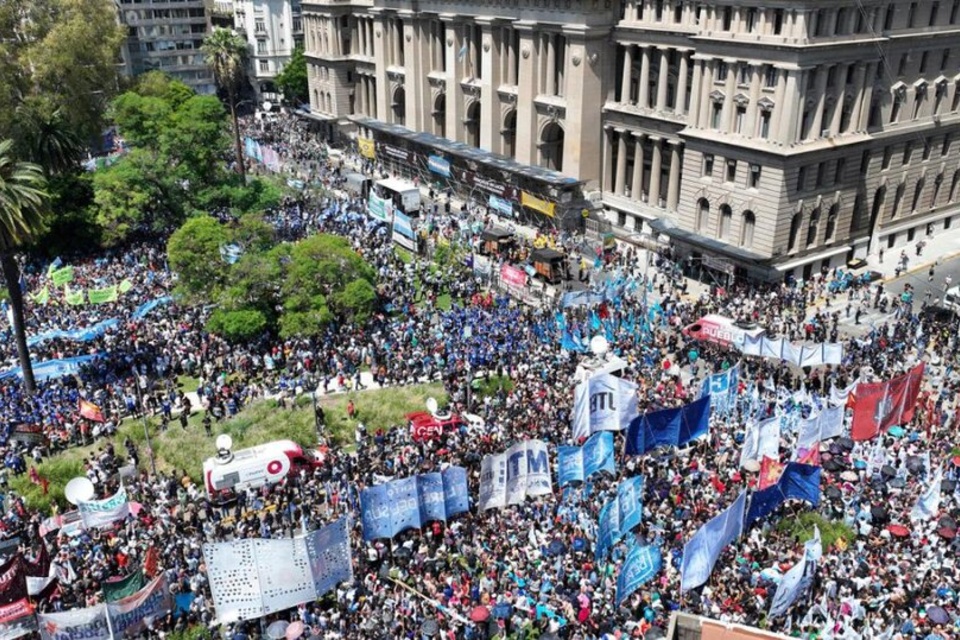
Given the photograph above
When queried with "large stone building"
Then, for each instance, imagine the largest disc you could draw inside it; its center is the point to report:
(274, 28)
(165, 35)
(770, 138)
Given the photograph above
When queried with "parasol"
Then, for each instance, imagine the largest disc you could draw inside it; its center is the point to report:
(429, 627)
(947, 533)
(294, 631)
(937, 615)
(277, 629)
(898, 530)
(479, 614)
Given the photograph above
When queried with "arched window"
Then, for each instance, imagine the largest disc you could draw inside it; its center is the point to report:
(703, 215)
(726, 222)
(551, 147)
(399, 106)
(440, 115)
(831, 223)
(510, 134)
(747, 226)
(813, 227)
(794, 232)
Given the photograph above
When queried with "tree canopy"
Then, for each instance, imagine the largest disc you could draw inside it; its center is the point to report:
(292, 289)
(292, 80)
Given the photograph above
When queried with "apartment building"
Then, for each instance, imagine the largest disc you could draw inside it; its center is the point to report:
(274, 28)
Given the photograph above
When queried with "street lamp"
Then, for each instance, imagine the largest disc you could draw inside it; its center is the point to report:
(143, 418)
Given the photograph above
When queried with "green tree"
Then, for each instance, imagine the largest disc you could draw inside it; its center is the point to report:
(44, 137)
(193, 252)
(356, 302)
(237, 325)
(65, 51)
(193, 141)
(132, 195)
(157, 84)
(292, 80)
(226, 52)
(22, 200)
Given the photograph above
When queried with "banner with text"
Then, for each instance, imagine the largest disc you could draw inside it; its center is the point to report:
(389, 508)
(603, 403)
(509, 477)
(103, 513)
(576, 464)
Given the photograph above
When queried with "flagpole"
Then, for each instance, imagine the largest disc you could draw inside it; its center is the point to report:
(143, 417)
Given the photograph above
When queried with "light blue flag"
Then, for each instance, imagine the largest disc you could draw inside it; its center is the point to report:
(722, 387)
(641, 565)
(798, 578)
(928, 506)
(704, 548)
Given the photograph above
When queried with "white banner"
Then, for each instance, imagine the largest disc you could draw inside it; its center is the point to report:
(102, 513)
(78, 624)
(252, 578)
(603, 403)
(761, 439)
(507, 478)
(823, 426)
(801, 355)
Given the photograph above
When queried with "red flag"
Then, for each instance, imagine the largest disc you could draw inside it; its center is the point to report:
(810, 456)
(150, 562)
(770, 471)
(91, 411)
(881, 405)
(38, 480)
(13, 580)
(39, 567)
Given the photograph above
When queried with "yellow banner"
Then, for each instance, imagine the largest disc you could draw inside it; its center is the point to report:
(535, 203)
(367, 149)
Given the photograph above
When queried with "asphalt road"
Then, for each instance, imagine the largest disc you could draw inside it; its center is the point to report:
(921, 284)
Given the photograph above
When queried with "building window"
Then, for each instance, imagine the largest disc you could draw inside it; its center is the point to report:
(716, 114)
(727, 18)
(831, 224)
(917, 192)
(708, 164)
(945, 60)
(261, 46)
(924, 59)
(740, 118)
(887, 157)
(770, 76)
(801, 178)
(934, 10)
(260, 26)
(777, 22)
(813, 227)
(954, 10)
(703, 215)
(754, 179)
(298, 24)
(945, 147)
(927, 149)
(888, 17)
(264, 66)
(907, 152)
(765, 124)
(722, 70)
(841, 23)
(726, 222)
(821, 170)
(751, 19)
(794, 232)
(937, 183)
(839, 170)
(731, 170)
(747, 226)
(898, 200)
(912, 15)
(864, 161)
(743, 74)
(953, 186)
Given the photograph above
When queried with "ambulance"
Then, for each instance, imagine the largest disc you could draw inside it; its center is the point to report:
(722, 330)
(231, 471)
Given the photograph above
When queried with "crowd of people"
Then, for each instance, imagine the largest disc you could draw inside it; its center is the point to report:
(532, 565)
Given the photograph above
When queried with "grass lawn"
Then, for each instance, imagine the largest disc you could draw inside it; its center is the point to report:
(186, 449)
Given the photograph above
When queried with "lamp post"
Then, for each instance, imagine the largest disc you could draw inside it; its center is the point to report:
(143, 418)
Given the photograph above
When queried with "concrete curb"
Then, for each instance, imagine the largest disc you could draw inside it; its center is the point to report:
(922, 267)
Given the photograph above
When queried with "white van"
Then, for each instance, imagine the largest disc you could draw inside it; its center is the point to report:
(951, 299)
(252, 468)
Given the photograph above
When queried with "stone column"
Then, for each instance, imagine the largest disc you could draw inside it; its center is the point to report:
(608, 134)
(644, 100)
(841, 96)
(490, 138)
(662, 80)
(551, 79)
(625, 92)
(655, 169)
(728, 90)
(693, 117)
(679, 103)
(858, 95)
(636, 189)
(787, 109)
(820, 91)
(381, 51)
(621, 182)
(528, 84)
(753, 110)
(673, 184)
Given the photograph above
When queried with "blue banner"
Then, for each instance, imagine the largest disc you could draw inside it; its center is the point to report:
(580, 299)
(500, 205)
(576, 464)
(668, 427)
(53, 368)
(438, 165)
(641, 565)
(403, 225)
(77, 335)
(722, 388)
(409, 503)
(147, 307)
(701, 552)
(619, 515)
(797, 482)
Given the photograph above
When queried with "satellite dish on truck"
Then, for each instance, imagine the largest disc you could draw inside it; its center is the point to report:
(78, 490)
(224, 445)
(432, 405)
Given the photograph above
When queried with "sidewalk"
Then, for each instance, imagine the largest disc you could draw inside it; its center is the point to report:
(939, 248)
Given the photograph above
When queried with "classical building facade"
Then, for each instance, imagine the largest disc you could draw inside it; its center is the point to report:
(274, 28)
(767, 138)
(166, 36)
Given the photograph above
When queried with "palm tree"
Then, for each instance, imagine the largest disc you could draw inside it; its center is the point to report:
(43, 136)
(226, 52)
(22, 197)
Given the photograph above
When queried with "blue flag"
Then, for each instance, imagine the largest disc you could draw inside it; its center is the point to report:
(387, 509)
(641, 565)
(722, 387)
(619, 515)
(575, 464)
(668, 427)
(704, 548)
(798, 482)
(456, 498)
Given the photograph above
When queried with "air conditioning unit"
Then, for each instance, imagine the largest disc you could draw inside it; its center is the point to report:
(825, 133)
